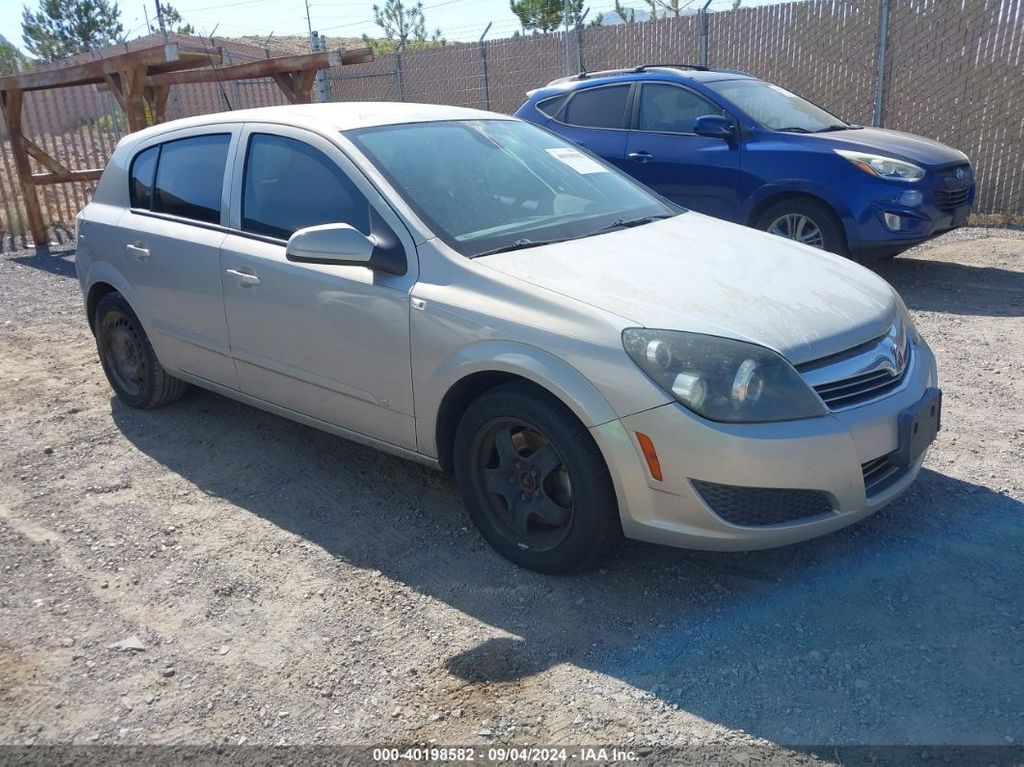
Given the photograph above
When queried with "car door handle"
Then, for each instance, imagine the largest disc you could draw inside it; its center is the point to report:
(640, 156)
(140, 252)
(244, 278)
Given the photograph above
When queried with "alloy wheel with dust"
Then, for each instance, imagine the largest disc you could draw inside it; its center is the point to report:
(796, 226)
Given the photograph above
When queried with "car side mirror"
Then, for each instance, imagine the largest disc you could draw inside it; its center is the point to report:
(713, 126)
(343, 245)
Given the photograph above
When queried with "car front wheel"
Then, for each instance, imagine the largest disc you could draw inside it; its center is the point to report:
(806, 221)
(533, 480)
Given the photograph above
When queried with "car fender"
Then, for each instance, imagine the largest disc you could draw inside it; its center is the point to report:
(104, 271)
(784, 187)
(548, 371)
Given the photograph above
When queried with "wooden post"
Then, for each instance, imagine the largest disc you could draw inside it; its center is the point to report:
(10, 103)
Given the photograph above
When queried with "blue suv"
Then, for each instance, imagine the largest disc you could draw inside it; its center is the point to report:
(727, 144)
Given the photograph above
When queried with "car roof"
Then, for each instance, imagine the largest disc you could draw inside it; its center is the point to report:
(337, 116)
(681, 72)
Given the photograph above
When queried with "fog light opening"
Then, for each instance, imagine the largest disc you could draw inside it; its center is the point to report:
(650, 455)
(893, 221)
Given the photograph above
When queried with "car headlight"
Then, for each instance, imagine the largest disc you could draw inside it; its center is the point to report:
(722, 379)
(908, 321)
(878, 165)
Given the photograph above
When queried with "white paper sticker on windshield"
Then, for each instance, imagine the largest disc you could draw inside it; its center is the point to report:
(576, 160)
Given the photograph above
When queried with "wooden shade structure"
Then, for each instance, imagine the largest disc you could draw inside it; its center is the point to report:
(140, 81)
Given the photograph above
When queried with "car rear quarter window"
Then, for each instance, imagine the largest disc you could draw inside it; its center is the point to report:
(190, 177)
(553, 105)
(290, 185)
(603, 107)
(140, 189)
(670, 109)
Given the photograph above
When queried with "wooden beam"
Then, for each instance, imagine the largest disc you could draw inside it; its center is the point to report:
(264, 68)
(157, 57)
(10, 104)
(90, 174)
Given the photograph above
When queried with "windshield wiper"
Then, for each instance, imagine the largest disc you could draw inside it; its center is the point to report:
(622, 223)
(835, 127)
(519, 245)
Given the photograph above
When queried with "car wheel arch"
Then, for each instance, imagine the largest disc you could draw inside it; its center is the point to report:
(551, 376)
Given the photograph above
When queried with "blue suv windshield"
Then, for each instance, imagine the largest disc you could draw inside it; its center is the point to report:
(775, 107)
(489, 185)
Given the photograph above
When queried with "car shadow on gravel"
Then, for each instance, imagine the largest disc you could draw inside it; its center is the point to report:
(952, 288)
(904, 628)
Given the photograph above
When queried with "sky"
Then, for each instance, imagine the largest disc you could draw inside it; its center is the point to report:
(457, 19)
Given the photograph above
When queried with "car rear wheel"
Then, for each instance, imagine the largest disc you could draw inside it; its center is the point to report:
(806, 221)
(128, 359)
(533, 480)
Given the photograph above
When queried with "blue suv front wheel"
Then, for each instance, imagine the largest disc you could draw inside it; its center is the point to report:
(804, 220)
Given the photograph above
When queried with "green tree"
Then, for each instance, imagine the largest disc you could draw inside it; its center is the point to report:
(628, 15)
(172, 21)
(64, 27)
(538, 15)
(12, 60)
(403, 28)
(665, 8)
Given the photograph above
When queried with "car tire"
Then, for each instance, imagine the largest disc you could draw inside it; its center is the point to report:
(533, 480)
(807, 221)
(129, 362)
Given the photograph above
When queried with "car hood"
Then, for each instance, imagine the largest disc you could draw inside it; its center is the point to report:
(704, 275)
(904, 146)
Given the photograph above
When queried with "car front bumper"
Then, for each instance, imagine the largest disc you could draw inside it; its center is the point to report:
(824, 454)
(940, 203)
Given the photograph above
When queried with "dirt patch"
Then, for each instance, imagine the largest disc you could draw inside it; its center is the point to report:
(290, 587)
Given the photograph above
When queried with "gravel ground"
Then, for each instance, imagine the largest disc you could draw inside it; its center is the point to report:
(285, 586)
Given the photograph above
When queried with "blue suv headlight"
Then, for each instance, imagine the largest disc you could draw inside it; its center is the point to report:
(878, 165)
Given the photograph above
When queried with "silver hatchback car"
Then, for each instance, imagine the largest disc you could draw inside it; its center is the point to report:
(472, 292)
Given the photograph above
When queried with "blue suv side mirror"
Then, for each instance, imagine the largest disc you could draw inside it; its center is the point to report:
(714, 126)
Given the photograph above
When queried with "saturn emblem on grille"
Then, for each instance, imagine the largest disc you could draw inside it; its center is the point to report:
(899, 357)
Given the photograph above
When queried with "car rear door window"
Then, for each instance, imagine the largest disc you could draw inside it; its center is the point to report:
(190, 177)
(143, 169)
(598, 107)
(290, 185)
(670, 109)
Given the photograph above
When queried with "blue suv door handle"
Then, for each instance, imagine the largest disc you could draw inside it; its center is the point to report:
(640, 156)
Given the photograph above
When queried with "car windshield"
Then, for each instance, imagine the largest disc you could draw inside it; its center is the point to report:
(775, 107)
(489, 185)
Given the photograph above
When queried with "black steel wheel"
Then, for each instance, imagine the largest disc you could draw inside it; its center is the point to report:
(534, 481)
(128, 359)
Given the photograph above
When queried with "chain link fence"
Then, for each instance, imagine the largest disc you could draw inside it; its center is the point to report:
(952, 70)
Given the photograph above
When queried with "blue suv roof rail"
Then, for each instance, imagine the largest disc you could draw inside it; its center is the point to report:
(584, 75)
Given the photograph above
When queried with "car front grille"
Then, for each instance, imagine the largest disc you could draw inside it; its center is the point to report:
(955, 190)
(760, 506)
(951, 199)
(863, 373)
(881, 473)
(859, 388)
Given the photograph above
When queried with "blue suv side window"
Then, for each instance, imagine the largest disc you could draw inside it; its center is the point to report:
(669, 109)
(598, 107)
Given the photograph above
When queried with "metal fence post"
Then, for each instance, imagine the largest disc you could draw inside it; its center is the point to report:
(883, 42)
(702, 25)
(398, 74)
(321, 85)
(483, 67)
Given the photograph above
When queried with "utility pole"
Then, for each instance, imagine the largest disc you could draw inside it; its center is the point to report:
(160, 19)
(309, 25)
(145, 12)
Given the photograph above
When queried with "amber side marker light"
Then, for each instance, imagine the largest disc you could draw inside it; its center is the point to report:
(650, 454)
